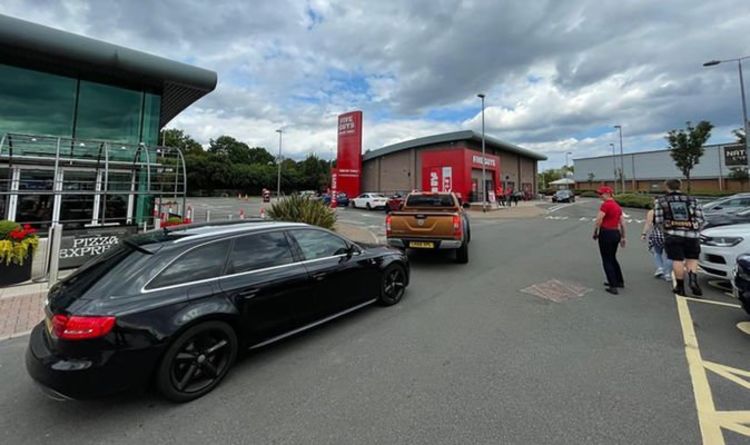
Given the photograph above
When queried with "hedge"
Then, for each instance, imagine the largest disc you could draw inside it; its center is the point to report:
(633, 200)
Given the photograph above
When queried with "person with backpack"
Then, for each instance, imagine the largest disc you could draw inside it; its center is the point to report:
(682, 218)
(609, 231)
(654, 236)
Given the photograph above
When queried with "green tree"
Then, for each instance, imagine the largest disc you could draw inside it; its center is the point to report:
(740, 135)
(740, 174)
(174, 137)
(686, 146)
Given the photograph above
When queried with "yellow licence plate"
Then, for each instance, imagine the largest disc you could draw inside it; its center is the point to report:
(421, 245)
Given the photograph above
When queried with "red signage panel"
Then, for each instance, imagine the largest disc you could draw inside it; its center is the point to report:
(349, 154)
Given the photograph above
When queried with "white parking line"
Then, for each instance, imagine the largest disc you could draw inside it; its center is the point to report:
(558, 207)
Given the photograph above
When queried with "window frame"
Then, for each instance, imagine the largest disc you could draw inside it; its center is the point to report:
(357, 250)
(296, 254)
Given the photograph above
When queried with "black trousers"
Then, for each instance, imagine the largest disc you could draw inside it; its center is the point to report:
(609, 240)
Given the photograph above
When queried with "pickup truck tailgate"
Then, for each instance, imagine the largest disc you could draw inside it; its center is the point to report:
(422, 224)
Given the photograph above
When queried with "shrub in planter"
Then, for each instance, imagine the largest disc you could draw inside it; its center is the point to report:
(174, 221)
(589, 194)
(303, 209)
(16, 243)
(635, 200)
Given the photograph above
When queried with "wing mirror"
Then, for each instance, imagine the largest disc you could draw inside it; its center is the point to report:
(466, 205)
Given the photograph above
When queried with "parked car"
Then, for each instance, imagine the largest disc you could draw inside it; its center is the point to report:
(310, 193)
(395, 201)
(341, 199)
(727, 219)
(741, 281)
(370, 201)
(730, 204)
(720, 247)
(174, 307)
(431, 221)
(564, 196)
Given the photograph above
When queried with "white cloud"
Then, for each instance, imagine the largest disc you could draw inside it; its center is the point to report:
(556, 73)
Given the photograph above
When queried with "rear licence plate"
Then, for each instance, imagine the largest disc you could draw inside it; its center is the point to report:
(421, 245)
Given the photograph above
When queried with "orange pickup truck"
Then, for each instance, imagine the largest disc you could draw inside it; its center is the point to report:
(432, 221)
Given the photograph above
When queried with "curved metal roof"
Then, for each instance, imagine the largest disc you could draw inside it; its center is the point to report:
(464, 135)
(39, 47)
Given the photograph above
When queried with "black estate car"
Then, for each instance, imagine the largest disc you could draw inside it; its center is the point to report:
(175, 306)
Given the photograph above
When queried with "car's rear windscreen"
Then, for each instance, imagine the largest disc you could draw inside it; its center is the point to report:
(430, 201)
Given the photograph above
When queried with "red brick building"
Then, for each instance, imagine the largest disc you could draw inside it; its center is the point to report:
(450, 162)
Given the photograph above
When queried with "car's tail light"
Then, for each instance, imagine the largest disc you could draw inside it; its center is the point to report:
(387, 225)
(457, 227)
(76, 327)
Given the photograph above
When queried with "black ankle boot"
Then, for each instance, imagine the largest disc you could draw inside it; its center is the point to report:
(694, 287)
(679, 288)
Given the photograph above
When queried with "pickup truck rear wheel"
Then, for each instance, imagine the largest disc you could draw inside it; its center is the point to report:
(462, 253)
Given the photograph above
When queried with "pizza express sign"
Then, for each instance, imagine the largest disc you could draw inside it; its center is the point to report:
(77, 247)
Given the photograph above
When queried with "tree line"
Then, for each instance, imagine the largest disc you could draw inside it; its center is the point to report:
(228, 165)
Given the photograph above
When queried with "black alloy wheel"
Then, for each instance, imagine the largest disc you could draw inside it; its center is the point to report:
(393, 285)
(197, 361)
(369, 207)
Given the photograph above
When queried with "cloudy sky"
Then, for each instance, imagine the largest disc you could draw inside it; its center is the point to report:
(557, 74)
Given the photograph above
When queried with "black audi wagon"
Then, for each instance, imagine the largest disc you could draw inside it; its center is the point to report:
(175, 306)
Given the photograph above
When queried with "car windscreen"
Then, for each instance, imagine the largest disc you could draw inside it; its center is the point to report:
(430, 201)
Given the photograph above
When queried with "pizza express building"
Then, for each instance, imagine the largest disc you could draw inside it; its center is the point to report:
(450, 162)
(79, 129)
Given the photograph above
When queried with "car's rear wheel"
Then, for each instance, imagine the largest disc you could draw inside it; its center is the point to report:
(197, 361)
(369, 207)
(393, 285)
(745, 305)
(462, 253)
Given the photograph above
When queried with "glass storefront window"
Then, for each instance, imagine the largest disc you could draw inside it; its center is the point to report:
(4, 188)
(34, 208)
(77, 209)
(32, 102)
(108, 113)
(115, 206)
(151, 112)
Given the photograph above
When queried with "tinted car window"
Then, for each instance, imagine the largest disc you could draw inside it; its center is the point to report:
(318, 244)
(429, 201)
(259, 251)
(198, 264)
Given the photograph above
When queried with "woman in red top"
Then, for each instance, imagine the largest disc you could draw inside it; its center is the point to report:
(610, 231)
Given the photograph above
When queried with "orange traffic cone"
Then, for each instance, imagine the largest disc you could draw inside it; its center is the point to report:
(262, 213)
(242, 214)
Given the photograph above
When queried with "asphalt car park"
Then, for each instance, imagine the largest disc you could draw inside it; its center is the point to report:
(522, 345)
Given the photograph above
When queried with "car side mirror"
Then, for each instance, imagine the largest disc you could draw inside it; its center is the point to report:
(466, 205)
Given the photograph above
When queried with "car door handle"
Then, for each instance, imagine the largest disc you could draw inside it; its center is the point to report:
(246, 294)
(320, 276)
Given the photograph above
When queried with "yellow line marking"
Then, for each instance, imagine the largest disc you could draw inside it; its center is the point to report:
(704, 402)
(737, 428)
(733, 416)
(744, 326)
(718, 303)
(729, 373)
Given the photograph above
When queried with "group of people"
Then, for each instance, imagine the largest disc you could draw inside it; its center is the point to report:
(672, 233)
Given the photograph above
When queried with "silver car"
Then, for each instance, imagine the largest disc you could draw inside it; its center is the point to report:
(730, 204)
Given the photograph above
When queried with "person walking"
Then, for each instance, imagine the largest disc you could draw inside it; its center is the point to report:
(609, 231)
(653, 234)
(682, 219)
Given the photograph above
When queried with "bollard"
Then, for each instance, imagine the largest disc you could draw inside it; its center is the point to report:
(229, 217)
(208, 216)
(55, 238)
(242, 214)
(157, 224)
(262, 213)
(145, 226)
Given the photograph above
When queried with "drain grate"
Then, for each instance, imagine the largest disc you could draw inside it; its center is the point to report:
(556, 290)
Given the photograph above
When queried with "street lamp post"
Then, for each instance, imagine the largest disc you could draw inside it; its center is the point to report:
(484, 181)
(614, 167)
(622, 160)
(567, 153)
(278, 163)
(742, 95)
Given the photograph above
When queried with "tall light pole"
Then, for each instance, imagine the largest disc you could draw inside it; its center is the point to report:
(614, 167)
(622, 160)
(278, 163)
(742, 95)
(567, 153)
(484, 181)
